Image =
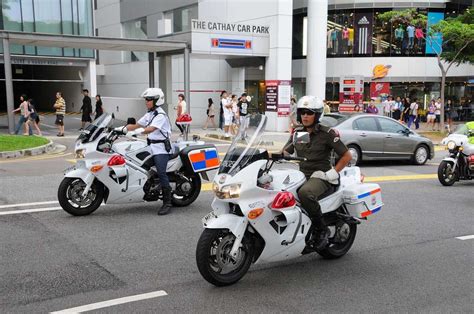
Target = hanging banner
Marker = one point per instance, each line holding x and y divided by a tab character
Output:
433	18
363	33
379	89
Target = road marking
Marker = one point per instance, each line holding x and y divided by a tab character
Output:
34	158
439	148
26	211
468	237
28	204
401	177
113	302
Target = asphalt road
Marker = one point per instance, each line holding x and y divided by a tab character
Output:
406	258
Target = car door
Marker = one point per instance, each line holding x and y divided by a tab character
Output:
368	136
397	143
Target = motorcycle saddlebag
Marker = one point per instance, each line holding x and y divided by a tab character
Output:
200	158
363	200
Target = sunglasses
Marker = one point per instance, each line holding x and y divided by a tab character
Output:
307	112
149	98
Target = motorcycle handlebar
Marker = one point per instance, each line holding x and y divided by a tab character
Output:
283	157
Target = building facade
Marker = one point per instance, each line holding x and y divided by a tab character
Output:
39	72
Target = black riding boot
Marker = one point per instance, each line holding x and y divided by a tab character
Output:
166	207
320	233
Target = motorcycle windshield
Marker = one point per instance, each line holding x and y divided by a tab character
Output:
93	130
247	146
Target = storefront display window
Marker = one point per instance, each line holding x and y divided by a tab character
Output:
340	33
382	34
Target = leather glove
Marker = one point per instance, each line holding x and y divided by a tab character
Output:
330	176
121	129
135	132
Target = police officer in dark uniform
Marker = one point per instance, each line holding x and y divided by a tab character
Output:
317	167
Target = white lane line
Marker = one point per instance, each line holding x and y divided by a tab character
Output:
26	211
101	305
468	237
28	204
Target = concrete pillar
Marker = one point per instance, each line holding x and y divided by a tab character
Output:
151	69
187	79
278	63
90	78
165	80
316	53
238	81
8	84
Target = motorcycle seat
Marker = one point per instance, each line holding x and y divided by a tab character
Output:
332	189
175	154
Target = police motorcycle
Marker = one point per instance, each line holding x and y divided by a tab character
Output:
256	214
117	169
459	164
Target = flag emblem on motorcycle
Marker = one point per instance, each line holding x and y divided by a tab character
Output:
205	159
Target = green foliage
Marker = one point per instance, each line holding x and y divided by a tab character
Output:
17	142
404	17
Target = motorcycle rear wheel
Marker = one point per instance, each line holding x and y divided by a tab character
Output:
212	257
446	179
337	250
70	199
191	196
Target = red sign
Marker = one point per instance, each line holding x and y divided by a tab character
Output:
377	89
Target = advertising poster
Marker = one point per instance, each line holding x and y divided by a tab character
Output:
271	95
379	89
351	93
277	97
433	18
363	33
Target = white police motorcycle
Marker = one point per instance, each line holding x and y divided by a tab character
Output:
257	216
116	169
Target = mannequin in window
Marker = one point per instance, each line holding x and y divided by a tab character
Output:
399	34
329	36
334	40
419	38
345	38
351	40
411	36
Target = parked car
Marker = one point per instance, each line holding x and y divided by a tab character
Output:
373	137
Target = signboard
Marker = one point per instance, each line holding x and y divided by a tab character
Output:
379	89
437	39
380	71
351	93
277	97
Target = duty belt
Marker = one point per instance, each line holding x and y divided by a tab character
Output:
154	141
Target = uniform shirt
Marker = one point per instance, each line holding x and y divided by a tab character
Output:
161	123
318	151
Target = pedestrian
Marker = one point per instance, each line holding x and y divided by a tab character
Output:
388	106
413	113
221	110
235	115
327	109
24	113
227	107
371	108
397	108
34	117
450	113
60	106
431	115
210	112
86	109
406	110
180	110
243	105
437	115
98	107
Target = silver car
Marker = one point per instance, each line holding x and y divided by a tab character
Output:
373	137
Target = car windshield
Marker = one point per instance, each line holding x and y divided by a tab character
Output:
332	120
461	129
248	146
95	128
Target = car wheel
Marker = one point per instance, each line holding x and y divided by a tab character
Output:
356	154
421	155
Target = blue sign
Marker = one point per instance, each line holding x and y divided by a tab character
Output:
231	43
435	42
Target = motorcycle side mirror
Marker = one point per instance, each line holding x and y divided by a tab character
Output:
301	138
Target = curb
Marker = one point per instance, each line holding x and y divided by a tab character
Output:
28	151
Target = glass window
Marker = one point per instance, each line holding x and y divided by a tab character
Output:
390	126
85	24
67	23
182	18
11	10
340	33
47	20
28	22
365	124
136	29
363	25
381	37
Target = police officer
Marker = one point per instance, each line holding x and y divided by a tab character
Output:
156	124
317	167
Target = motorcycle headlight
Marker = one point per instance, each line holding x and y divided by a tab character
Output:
80	153
227	191
451	145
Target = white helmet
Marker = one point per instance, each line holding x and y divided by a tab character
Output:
156	94
315	104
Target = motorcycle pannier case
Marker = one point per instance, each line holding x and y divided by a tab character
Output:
363	200
200	158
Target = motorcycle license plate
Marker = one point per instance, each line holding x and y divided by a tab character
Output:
208	218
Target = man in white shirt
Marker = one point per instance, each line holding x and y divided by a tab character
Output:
156	124
228	114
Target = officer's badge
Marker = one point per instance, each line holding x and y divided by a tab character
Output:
336	139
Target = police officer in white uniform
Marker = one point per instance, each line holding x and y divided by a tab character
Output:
156	124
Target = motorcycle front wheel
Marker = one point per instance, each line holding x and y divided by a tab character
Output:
71	200
214	262
341	243
445	174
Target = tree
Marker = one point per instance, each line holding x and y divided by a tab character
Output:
452	39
